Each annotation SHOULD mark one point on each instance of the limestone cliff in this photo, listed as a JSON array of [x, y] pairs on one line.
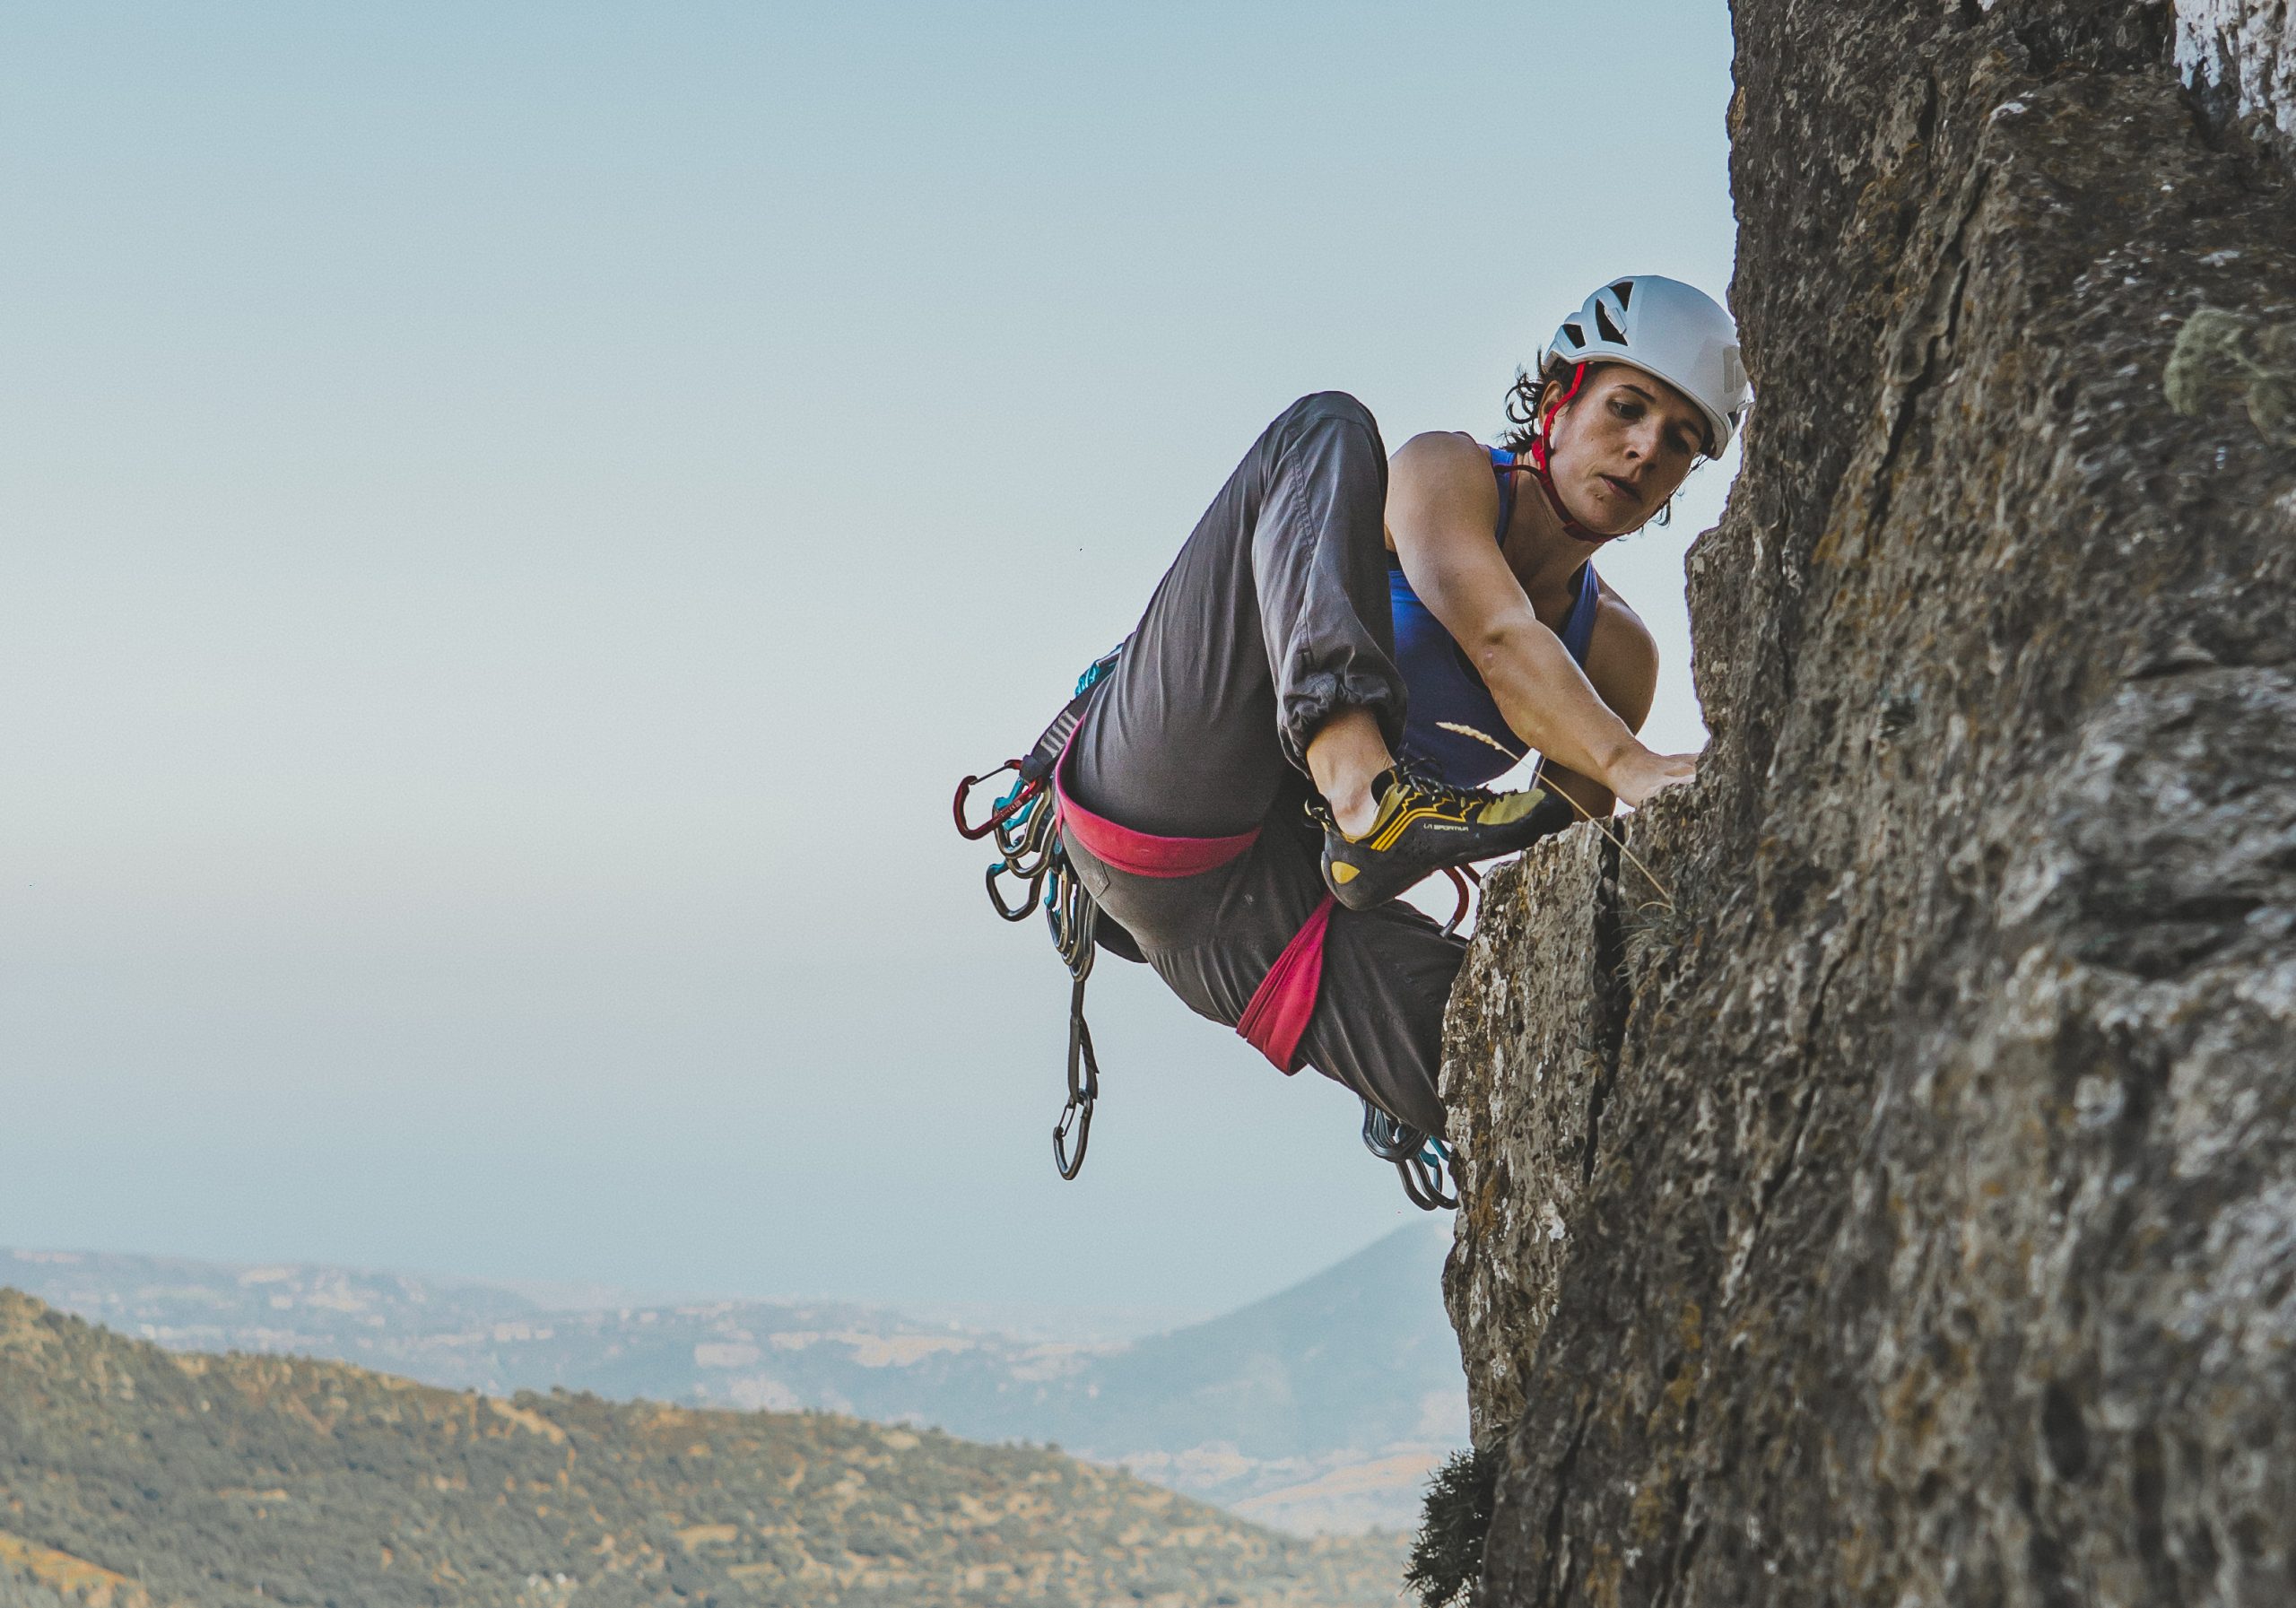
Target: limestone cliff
[[1880, 1183]]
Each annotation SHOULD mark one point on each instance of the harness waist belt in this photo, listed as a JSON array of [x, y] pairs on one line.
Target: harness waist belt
[[1142, 853]]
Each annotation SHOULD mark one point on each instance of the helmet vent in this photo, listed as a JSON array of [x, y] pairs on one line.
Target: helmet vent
[[1578, 335], [1624, 290], [1611, 332]]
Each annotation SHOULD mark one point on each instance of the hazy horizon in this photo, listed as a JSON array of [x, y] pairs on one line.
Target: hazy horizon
[[1020, 1318]]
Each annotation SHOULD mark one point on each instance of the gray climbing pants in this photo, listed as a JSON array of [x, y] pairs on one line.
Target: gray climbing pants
[[1274, 617]]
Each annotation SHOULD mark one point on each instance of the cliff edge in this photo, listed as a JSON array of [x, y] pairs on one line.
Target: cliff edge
[[1879, 1180]]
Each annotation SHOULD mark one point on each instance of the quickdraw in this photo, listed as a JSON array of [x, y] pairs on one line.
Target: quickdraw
[[1025, 823]]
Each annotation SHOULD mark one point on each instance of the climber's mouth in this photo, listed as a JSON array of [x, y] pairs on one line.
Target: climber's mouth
[[1621, 489]]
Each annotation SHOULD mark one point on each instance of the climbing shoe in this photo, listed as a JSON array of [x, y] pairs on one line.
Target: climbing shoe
[[1425, 825]]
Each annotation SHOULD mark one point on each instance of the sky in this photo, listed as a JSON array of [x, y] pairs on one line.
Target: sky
[[515, 517]]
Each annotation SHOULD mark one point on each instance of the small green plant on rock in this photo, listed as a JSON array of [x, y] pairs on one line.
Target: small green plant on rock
[[2217, 350], [1447, 1554]]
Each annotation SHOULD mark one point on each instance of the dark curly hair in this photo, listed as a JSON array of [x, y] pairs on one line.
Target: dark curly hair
[[1522, 417], [1523, 403]]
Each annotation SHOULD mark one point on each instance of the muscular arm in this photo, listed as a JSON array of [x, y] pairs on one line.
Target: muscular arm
[[1441, 505], [1623, 665]]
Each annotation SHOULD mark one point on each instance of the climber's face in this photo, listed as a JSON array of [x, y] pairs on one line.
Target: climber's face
[[1622, 447]]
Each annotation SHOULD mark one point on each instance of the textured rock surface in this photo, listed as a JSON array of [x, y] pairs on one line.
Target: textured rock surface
[[1900, 1208], [1535, 1017]]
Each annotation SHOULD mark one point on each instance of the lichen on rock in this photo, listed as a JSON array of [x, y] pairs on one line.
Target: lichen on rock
[[1880, 1187]]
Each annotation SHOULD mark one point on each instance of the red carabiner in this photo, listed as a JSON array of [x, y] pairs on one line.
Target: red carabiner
[[1017, 802], [1461, 876]]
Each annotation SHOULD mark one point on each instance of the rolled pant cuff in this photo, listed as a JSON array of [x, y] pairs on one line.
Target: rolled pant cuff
[[1313, 700]]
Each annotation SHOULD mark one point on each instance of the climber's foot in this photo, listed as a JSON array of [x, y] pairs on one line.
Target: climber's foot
[[1423, 825]]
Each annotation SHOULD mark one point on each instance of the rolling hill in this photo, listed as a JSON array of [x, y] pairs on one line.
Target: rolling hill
[[1318, 1408], [132, 1476]]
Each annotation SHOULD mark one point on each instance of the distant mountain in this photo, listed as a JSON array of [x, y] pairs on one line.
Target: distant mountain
[[132, 1477], [1321, 1407], [1358, 1355]]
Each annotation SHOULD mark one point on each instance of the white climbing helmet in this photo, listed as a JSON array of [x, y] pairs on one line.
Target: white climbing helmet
[[1665, 328]]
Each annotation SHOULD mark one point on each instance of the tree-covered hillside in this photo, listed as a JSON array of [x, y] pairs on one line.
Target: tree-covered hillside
[[1322, 1406], [238, 1480]]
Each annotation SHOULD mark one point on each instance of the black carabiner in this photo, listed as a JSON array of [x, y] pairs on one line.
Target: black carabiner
[[1084, 1090], [1074, 916], [1078, 1116], [1423, 1181], [1029, 885]]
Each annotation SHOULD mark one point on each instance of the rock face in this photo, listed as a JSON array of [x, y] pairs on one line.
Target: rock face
[[1880, 1178]]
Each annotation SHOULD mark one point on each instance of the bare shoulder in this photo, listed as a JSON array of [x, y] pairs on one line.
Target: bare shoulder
[[1441, 493], [1441, 459], [1622, 659]]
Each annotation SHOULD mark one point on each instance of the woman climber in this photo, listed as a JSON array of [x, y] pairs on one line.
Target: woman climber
[[1345, 650]]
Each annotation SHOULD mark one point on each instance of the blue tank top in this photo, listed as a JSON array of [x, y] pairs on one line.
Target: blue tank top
[[1452, 726]]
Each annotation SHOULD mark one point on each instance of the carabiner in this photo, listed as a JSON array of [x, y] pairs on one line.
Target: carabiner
[[1074, 916], [1076, 1116], [1423, 1181], [1029, 885], [1006, 807], [1466, 901], [1025, 825], [1084, 1089]]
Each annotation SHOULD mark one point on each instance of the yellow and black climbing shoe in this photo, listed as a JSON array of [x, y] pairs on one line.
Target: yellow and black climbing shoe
[[1425, 825]]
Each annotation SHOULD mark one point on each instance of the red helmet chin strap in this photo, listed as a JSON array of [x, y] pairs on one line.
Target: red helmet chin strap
[[1546, 475]]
